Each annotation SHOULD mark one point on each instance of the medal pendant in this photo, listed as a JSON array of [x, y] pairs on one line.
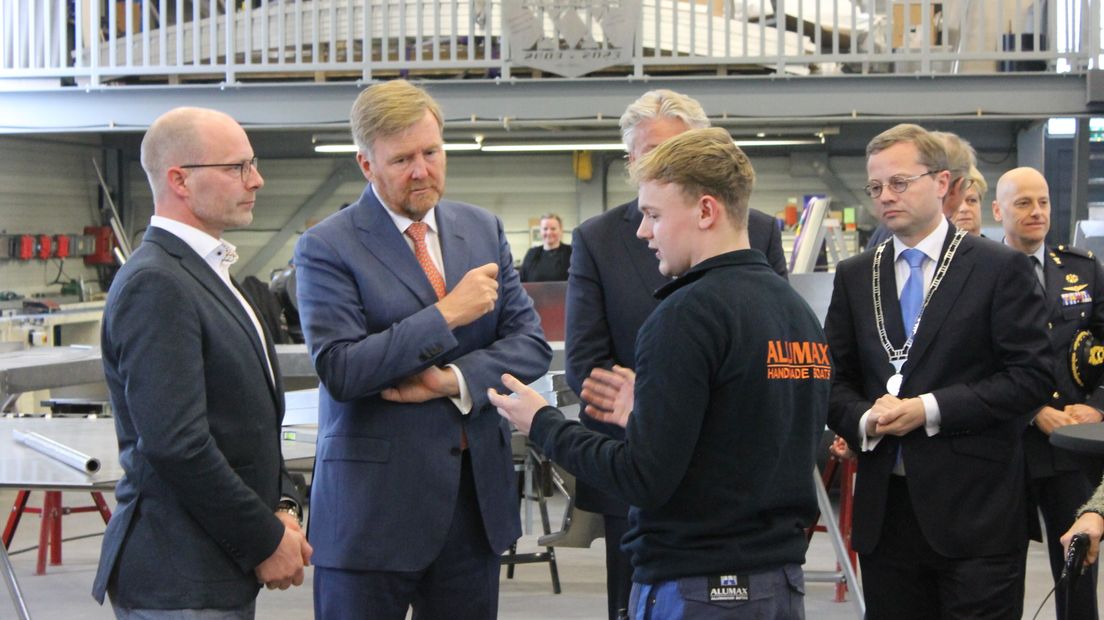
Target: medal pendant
[[893, 385]]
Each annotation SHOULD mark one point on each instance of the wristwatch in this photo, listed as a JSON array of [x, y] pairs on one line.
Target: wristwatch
[[292, 508]]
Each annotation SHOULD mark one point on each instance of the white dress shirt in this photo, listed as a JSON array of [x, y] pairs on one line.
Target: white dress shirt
[[932, 247]]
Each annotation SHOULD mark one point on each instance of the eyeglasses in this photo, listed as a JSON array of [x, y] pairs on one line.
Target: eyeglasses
[[245, 168], [898, 185]]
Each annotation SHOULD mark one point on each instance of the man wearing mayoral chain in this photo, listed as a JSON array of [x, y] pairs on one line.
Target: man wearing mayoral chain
[[934, 408]]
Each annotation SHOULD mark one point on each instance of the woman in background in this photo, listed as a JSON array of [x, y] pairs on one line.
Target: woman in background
[[968, 214], [549, 261]]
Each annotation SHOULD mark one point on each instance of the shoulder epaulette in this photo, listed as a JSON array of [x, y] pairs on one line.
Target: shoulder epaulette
[[1074, 251]]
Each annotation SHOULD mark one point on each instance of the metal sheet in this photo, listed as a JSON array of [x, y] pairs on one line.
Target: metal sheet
[[816, 290]]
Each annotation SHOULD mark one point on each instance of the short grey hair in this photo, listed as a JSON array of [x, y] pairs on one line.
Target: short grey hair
[[961, 156], [661, 103]]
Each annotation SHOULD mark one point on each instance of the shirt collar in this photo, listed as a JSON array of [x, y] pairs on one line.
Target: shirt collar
[[209, 248], [401, 221], [1039, 254], [931, 246]]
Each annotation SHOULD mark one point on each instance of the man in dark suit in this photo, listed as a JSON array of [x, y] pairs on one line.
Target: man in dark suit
[[610, 292], [940, 356], [1073, 283], [411, 309], [197, 395]]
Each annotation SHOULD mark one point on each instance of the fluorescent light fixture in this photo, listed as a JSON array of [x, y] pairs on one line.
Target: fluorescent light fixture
[[351, 148], [547, 147], [1063, 126], [552, 148], [335, 148], [781, 142]]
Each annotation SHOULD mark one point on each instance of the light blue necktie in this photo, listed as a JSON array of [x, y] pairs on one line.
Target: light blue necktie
[[912, 296]]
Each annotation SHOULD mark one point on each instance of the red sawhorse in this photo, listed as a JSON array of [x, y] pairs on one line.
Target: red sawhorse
[[845, 469], [49, 536]]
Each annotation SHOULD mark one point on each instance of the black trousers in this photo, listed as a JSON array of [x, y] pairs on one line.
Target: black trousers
[[904, 578], [460, 584], [619, 569], [1059, 497]]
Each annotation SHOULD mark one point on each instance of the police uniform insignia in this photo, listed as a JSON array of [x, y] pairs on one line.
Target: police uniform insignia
[[1086, 360], [1076, 297], [1072, 278]]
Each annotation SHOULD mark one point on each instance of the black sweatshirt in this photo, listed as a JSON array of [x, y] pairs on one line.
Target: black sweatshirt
[[730, 402]]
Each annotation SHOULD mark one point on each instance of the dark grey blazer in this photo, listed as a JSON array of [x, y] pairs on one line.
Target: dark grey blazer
[[198, 422], [609, 295]]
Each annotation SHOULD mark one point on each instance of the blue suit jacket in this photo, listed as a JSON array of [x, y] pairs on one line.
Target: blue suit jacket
[[198, 421], [610, 293], [387, 474]]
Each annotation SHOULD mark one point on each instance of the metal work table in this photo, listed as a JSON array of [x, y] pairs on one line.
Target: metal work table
[[24, 468], [51, 367]]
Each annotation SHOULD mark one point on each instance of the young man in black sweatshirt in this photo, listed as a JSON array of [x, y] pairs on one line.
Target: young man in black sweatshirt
[[724, 411]]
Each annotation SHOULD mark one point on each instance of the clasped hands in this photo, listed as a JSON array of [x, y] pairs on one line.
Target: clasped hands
[[1048, 419], [284, 568], [894, 416], [609, 395]]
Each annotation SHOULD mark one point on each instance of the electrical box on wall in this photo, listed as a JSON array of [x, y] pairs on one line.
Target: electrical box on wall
[[103, 242], [26, 247]]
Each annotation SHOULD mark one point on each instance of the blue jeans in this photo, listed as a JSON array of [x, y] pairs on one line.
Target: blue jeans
[[778, 594]]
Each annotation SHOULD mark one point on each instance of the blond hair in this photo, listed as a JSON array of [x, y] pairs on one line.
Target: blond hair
[[977, 181], [931, 150], [702, 162], [389, 108]]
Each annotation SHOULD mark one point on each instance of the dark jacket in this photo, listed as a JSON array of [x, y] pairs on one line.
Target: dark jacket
[[541, 265], [1075, 302], [982, 351], [611, 291], [719, 452], [198, 421]]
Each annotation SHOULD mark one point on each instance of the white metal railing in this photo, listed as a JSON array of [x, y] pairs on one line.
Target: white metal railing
[[97, 41]]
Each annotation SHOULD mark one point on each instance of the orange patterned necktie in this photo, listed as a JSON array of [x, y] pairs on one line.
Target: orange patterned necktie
[[417, 233]]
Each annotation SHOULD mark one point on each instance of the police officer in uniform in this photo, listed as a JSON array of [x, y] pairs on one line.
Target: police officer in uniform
[[1073, 281]]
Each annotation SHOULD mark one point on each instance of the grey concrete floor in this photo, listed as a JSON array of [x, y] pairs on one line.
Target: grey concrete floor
[[63, 593]]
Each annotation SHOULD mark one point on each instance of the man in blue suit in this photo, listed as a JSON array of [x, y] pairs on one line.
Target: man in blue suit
[[203, 515], [610, 292], [411, 309]]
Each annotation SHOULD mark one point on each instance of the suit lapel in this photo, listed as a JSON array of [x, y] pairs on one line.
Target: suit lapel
[[275, 388], [208, 279], [454, 252], [379, 235], [943, 300], [643, 260]]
